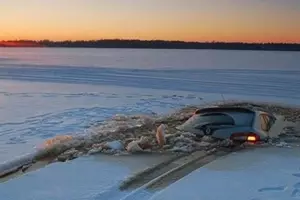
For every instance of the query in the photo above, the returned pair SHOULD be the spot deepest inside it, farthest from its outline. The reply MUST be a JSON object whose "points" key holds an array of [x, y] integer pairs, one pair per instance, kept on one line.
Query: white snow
{"points": [[86, 178], [261, 174]]}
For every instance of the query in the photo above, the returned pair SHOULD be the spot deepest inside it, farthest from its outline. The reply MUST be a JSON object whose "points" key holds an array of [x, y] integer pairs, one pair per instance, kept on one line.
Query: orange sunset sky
{"points": [[188, 20]]}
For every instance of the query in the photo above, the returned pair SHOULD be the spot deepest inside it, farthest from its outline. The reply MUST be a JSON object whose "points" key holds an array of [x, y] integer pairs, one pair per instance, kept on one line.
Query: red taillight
{"points": [[249, 137]]}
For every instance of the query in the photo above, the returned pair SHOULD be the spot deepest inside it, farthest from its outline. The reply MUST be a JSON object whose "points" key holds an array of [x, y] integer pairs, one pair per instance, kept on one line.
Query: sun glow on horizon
{"points": [[197, 20]]}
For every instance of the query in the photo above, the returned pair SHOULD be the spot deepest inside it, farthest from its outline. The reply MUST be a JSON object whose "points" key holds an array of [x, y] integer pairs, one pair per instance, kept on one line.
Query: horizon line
{"points": [[145, 40]]}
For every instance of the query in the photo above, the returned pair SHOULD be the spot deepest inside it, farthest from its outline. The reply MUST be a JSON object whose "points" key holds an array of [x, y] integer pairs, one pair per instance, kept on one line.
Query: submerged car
{"points": [[235, 123]]}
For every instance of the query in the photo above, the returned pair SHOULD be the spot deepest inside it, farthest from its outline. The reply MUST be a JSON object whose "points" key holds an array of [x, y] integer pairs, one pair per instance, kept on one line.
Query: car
{"points": [[235, 123]]}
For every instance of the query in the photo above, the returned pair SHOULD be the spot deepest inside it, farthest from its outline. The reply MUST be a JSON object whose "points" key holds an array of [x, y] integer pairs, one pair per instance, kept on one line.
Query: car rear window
{"points": [[234, 118], [218, 118], [242, 119]]}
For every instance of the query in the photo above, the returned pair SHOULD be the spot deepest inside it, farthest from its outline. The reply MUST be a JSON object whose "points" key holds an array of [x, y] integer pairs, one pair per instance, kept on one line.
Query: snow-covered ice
{"points": [[260, 174], [88, 178], [47, 92]]}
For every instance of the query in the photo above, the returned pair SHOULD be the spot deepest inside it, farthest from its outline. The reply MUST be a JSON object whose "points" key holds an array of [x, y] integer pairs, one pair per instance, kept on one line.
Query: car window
{"points": [[265, 122], [218, 118], [212, 118], [242, 119]]}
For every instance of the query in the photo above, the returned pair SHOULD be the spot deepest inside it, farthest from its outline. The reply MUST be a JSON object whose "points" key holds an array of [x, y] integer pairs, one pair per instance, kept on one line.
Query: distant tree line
{"points": [[159, 44]]}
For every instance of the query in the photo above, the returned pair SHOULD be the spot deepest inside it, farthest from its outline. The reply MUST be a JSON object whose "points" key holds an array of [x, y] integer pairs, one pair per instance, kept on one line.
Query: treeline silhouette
{"points": [[160, 44]]}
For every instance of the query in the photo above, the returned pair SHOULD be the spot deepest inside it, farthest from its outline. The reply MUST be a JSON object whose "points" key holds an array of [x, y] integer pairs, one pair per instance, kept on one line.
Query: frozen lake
{"points": [[46, 92]]}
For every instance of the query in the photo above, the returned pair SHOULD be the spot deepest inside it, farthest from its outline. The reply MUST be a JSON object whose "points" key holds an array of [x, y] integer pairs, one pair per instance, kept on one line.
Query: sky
{"points": [[187, 20]]}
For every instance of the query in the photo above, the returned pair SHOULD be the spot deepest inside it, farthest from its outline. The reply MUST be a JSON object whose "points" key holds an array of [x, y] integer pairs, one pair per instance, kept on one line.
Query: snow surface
{"points": [[86, 178], [46, 92], [260, 174]]}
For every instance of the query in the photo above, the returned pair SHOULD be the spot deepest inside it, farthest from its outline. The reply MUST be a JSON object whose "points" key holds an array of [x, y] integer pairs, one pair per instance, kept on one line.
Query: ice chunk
{"points": [[116, 145], [134, 147]]}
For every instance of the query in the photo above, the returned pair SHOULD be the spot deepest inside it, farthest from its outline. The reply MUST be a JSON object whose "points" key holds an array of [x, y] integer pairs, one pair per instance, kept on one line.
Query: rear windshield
{"points": [[232, 118], [242, 119], [215, 118]]}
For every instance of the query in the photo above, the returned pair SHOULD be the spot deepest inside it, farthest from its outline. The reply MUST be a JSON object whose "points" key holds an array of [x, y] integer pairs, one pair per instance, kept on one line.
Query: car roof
{"points": [[224, 109]]}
